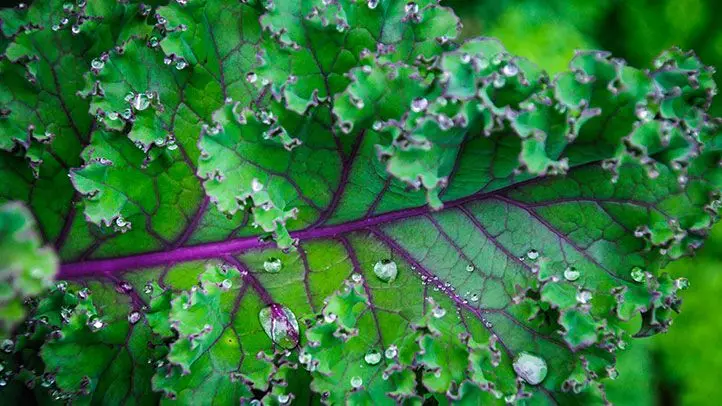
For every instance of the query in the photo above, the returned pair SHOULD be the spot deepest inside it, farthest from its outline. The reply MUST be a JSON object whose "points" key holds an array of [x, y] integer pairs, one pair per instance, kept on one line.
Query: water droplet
{"points": [[62, 286], [531, 368], [124, 287], [251, 77], [7, 345], [584, 296], [386, 270], [372, 357], [95, 323], [329, 317], [510, 70], [140, 102], [357, 277], [134, 317], [438, 312], [418, 105], [280, 325], [283, 399], [637, 274], [75, 29], [681, 283], [391, 352], [97, 64], [181, 64], [499, 82], [226, 284], [356, 382], [474, 297], [373, 4], [470, 268], [272, 265], [532, 254], [571, 274]]}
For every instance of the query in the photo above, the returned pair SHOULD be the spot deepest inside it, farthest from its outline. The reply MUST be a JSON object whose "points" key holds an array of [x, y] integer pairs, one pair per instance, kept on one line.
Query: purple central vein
{"points": [[222, 248]]}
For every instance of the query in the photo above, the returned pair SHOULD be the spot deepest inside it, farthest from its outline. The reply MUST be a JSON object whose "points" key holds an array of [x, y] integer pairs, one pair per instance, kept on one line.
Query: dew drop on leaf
{"points": [[419, 105], [438, 312], [532, 254], [386, 270], [470, 268], [272, 265], [133, 317], [681, 283], [510, 70], [531, 368], [7, 345], [95, 323], [280, 325], [637, 274], [571, 274], [283, 399], [372, 357], [373, 4], [356, 382], [391, 351], [584, 296]]}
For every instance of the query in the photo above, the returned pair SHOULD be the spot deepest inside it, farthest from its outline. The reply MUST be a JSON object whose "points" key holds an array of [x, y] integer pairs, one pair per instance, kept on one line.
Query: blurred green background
{"points": [[683, 366]]}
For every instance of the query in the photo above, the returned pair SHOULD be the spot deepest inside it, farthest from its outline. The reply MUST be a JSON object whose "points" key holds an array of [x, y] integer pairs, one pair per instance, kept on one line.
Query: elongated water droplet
{"points": [[531, 368], [372, 357], [571, 274], [272, 265], [386, 270], [637, 274], [280, 325]]}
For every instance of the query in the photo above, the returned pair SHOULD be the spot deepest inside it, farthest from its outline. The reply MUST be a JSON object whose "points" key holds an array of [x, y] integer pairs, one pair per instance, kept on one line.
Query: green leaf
{"points": [[27, 269], [504, 232]]}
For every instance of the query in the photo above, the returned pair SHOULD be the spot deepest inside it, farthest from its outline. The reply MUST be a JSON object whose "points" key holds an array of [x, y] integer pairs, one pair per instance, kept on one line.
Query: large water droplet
{"points": [[272, 265], [532, 254], [531, 368], [280, 325], [571, 274], [373, 4], [372, 357], [386, 270], [134, 317], [637, 274]]}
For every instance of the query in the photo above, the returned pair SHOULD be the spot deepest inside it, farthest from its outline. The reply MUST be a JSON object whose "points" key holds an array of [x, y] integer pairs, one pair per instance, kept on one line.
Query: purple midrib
{"points": [[219, 249]]}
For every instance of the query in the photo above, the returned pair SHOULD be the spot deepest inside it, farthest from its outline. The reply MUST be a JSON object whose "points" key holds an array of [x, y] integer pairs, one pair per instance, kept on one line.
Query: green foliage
{"points": [[213, 171]]}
